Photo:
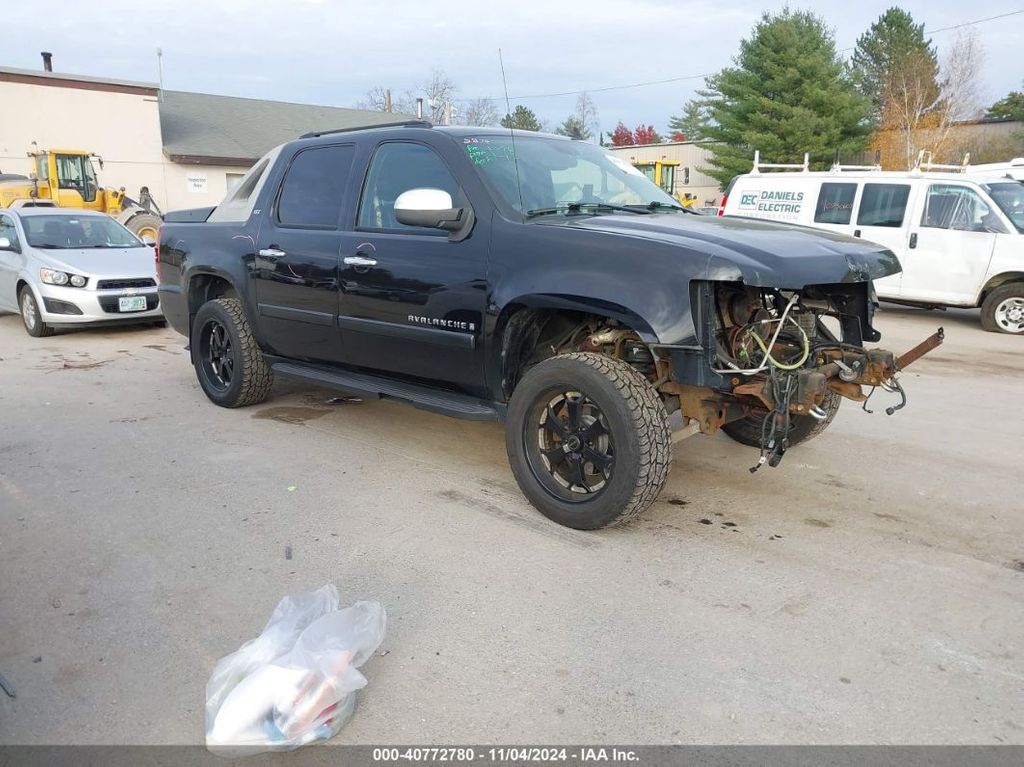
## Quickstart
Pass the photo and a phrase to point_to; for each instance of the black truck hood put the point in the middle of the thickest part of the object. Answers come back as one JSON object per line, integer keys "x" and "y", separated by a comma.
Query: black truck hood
{"x": 766, "y": 253}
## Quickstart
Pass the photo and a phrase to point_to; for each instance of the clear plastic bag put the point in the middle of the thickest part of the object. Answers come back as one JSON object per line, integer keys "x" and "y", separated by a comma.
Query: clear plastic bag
{"x": 296, "y": 682}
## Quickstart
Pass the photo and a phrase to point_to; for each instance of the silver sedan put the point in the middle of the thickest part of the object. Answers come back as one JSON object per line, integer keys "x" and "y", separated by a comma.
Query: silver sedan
{"x": 72, "y": 267}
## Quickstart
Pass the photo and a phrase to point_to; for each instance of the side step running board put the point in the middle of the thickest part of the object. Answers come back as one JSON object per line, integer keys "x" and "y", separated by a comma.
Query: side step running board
{"x": 423, "y": 397}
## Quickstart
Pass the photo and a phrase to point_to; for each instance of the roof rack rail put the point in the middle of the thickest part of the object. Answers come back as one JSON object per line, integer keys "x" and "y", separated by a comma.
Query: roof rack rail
{"x": 399, "y": 124}
{"x": 758, "y": 165}
{"x": 924, "y": 163}
{"x": 839, "y": 167}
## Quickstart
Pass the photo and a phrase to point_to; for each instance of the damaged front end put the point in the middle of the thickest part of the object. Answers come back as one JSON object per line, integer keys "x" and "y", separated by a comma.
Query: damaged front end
{"x": 769, "y": 359}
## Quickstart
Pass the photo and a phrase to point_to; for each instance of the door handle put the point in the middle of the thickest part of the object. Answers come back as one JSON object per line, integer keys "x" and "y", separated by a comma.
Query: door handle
{"x": 913, "y": 239}
{"x": 360, "y": 261}
{"x": 856, "y": 232}
{"x": 272, "y": 253}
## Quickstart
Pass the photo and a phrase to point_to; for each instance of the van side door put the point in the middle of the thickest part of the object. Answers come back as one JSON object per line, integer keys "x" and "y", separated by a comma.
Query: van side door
{"x": 952, "y": 237}
{"x": 882, "y": 218}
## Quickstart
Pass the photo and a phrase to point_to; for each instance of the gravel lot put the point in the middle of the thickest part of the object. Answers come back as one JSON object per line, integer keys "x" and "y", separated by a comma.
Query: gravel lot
{"x": 869, "y": 590}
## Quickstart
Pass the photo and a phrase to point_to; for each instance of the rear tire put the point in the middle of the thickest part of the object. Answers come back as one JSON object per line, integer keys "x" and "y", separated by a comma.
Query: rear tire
{"x": 588, "y": 440}
{"x": 1003, "y": 309}
{"x": 228, "y": 362}
{"x": 30, "y": 316}
{"x": 747, "y": 431}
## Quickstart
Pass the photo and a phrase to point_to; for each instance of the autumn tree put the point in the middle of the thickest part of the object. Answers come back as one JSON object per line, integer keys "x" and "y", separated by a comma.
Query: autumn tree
{"x": 646, "y": 135}
{"x": 788, "y": 93}
{"x": 621, "y": 135}
{"x": 522, "y": 118}
{"x": 921, "y": 105}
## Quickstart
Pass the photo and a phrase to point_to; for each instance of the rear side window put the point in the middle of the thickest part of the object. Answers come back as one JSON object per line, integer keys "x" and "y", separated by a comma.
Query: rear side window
{"x": 835, "y": 203}
{"x": 314, "y": 186}
{"x": 883, "y": 204}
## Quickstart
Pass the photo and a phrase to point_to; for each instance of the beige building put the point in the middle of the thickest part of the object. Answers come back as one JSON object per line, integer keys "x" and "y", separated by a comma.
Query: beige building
{"x": 689, "y": 179}
{"x": 188, "y": 148}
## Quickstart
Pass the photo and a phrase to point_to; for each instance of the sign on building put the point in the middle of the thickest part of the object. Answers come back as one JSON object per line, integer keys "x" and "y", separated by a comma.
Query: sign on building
{"x": 196, "y": 183}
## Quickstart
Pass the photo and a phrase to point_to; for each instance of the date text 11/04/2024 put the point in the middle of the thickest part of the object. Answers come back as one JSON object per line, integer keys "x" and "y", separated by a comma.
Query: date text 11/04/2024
{"x": 505, "y": 754}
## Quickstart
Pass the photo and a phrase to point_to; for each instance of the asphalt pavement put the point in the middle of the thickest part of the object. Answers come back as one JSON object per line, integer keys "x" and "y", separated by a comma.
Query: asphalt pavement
{"x": 869, "y": 590}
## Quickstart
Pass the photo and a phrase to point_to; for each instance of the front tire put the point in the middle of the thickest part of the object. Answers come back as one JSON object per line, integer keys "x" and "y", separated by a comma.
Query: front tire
{"x": 588, "y": 440}
{"x": 145, "y": 225}
{"x": 747, "y": 431}
{"x": 228, "y": 361}
{"x": 1003, "y": 309}
{"x": 30, "y": 315}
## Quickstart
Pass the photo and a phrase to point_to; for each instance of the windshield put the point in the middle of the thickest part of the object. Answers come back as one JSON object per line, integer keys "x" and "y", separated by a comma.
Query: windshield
{"x": 64, "y": 232}
{"x": 556, "y": 173}
{"x": 1009, "y": 197}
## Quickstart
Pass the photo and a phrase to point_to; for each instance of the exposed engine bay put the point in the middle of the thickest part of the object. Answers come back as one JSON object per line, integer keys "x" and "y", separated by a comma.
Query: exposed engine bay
{"x": 777, "y": 358}
{"x": 784, "y": 355}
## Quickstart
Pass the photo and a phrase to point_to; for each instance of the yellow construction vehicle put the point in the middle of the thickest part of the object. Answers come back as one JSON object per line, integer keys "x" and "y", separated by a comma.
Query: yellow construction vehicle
{"x": 661, "y": 172}
{"x": 66, "y": 178}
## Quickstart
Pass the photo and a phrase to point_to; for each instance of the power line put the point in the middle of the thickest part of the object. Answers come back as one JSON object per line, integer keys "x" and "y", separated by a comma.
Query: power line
{"x": 684, "y": 78}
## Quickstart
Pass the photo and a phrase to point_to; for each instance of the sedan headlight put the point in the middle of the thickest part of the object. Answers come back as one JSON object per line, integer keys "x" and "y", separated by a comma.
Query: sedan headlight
{"x": 55, "y": 277}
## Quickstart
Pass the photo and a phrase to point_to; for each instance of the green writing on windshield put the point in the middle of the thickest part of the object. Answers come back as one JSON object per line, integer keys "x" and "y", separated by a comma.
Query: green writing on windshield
{"x": 485, "y": 154}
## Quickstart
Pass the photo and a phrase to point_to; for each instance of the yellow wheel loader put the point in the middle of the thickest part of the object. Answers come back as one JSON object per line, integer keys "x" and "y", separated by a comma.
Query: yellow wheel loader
{"x": 66, "y": 178}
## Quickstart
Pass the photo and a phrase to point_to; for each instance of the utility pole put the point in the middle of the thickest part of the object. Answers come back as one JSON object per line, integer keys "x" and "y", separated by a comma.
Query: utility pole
{"x": 387, "y": 100}
{"x": 160, "y": 71}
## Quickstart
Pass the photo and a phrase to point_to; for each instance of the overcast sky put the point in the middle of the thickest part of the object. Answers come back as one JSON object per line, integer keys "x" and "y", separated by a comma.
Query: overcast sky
{"x": 333, "y": 51}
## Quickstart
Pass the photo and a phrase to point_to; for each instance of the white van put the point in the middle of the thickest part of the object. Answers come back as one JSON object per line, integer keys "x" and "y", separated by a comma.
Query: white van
{"x": 959, "y": 236}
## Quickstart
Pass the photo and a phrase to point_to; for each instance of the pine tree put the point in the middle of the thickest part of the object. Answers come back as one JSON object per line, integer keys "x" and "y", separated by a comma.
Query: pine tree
{"x": 690, "y": 124}
{"x": 522, "y": 118}
{"x": 787, "y": 94}
{"x": 893, "y": 47}
{"x": 573, "y": 128}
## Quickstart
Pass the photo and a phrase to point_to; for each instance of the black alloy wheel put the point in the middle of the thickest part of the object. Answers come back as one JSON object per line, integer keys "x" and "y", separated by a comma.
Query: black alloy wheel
{"x": 216, "y": 352}
{"x": 571, "y": 452}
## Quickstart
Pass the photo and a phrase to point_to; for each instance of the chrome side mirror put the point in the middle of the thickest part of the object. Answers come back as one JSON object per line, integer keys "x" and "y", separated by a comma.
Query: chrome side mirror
{"x": 434, "y": 208}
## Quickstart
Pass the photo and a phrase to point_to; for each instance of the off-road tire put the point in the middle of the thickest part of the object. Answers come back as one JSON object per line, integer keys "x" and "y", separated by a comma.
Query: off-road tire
{"x": 253, "y": 378}
{"x": 992, "y": 301}
{"x": 747, "y": 431}
{"x": 144, "y": 221}
{"x": 40, "y": 329}
{"x": 638, "y": 427}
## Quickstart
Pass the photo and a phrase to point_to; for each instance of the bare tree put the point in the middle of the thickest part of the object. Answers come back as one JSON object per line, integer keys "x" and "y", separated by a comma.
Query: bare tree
{"x": 481, "y": 112}
{"x": 438, "y": 93}
{"x": 916, "y": 115}
{"x": 586, "y": 114}
{"x": 377, "y": 99}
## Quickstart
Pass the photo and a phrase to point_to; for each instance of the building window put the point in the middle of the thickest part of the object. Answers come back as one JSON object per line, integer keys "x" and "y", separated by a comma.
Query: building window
{"x": 232, "y": 180}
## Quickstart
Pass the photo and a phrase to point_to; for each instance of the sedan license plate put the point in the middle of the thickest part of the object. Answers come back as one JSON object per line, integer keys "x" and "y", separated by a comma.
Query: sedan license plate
{"x": 131, "y": 304}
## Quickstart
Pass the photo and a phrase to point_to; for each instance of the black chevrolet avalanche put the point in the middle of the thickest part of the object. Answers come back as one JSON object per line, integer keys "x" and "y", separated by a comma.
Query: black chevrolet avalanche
{"x": 530, "y": 279}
